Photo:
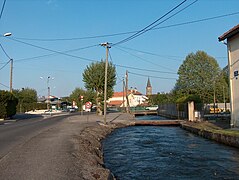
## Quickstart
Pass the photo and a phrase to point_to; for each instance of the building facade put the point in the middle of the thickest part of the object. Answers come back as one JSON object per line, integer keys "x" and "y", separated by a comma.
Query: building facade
{"x": 232, "y": 37}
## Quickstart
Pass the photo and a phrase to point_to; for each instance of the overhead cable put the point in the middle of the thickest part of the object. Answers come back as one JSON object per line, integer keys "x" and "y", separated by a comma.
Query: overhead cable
{"x": 4, "y": 65}
{"x": 142, "y": 31}
{"x": 129, "y": 32}
{"x": 4, "y": 85}
{"x": 55, "y": 53}
{"x": 3, "y": 6}
{"x": 43, "y": 48}
{"x": 4, "y": 51}
{"x": 151, "y": 76}
{"x": 144, "y": 59}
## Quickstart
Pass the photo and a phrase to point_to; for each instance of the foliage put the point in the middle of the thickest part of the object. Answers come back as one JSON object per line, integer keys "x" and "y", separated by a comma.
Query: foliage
{"x": 161, "y": 98}
{"x": 24, "y": 107}
{"x": 200, "y": 75}
{"x": 77, "y": 93}
{"x": 26, "y": 95}
{"x": 94, "y": 79}
{"x": 8, "y": 103}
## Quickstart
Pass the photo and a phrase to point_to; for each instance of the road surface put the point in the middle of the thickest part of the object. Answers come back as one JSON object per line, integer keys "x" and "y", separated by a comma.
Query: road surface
{"x": 40, "y": 148}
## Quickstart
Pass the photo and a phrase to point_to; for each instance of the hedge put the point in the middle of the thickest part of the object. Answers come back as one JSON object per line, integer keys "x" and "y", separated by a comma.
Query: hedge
{"x": 8, "y": 103}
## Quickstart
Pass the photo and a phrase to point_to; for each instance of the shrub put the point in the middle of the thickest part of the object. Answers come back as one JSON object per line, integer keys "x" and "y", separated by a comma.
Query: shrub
{"x": 8, "y": 103}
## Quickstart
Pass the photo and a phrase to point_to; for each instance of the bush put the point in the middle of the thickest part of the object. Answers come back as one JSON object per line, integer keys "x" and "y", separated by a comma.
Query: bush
{"x": 8, "y": 103}
{"x": 24, "y": 107}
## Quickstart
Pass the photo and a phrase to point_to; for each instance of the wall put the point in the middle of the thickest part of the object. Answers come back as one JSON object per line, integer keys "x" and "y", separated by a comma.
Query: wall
{"x": 233, "y": 58}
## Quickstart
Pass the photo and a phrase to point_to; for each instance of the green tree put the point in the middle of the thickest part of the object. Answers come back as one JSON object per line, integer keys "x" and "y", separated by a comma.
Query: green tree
{"x": 27, "y": 98}
{"x": 26, "y": 95}
{"x": 8, "y": 103}
{"x": 200, "y": 75}
{"x": 161, "y": 98}
{"x": 88, "y": 96}
{"x": 94, "y": 79}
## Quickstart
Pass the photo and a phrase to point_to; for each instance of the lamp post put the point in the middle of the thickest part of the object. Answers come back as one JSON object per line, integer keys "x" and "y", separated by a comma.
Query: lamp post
{"x": 48, "y": 91}
{"x": 11, "y": 63}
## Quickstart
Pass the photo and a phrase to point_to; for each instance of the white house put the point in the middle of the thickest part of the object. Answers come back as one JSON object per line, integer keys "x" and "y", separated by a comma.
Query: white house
{"x": 232, "y": 37}
{"x": 135, "y": 98}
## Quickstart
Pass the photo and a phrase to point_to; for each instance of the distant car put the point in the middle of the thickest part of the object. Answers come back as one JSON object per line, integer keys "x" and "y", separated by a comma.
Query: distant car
{"x": 152, "y": 108}
{"x": 72, "y": 110}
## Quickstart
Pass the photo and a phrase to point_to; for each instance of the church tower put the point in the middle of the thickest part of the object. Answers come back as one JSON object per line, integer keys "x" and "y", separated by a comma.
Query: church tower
{"x": 148, "y": 88}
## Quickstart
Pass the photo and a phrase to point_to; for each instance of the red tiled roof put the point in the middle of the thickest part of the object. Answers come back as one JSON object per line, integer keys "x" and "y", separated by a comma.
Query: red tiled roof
{"x": 115, "y": 103}
{"x": 120, "y": 94}
{"x": 230, "y": 33}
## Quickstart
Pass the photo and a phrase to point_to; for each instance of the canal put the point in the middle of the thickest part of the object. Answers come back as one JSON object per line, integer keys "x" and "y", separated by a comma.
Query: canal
{"x": 154, "y": 152}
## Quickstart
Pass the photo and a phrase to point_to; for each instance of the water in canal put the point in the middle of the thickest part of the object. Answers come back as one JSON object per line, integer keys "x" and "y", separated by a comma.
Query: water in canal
{"x": 153, "y": 152}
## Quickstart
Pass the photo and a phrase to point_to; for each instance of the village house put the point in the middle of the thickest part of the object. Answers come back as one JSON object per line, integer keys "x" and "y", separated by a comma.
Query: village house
{"x": 135, "y": 98}
{"x": 232, "y": 37}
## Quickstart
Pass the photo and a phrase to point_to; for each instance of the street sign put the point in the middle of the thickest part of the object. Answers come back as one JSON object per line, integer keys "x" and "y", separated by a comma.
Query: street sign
{"x": 88, "y": 105}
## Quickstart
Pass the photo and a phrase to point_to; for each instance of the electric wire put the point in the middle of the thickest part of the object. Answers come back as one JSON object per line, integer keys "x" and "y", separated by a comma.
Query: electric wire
{"x": 175, "y": 58}
{"x": 142, "y": 31}
{"x": 112, "y": 63}
{"x": 4, "y": 65}
{"x": 3, "y": 6}
{"x": 129, "y": 32}
{"x": 147, "y": 70}
{"x": 144, "y": 59}
{"x": 55, "y": 53}
{"x": 151, "y": 76}
{"x": 86, "y": 59}
{"x": 4, "y": 51}
{"x": 4, "y": 85}
{"x": 47, "y": 49}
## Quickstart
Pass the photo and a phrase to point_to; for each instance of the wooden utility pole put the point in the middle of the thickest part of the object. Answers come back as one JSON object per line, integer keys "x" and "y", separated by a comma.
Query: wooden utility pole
{"x": 126, "y": 92}
{"x": 11, "y": 71}
{"x": 107, "y": 46}
{"x": 123, "y": 95}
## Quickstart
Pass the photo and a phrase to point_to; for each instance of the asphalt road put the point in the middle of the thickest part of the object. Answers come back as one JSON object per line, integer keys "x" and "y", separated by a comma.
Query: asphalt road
{"x": 40, "y": 148}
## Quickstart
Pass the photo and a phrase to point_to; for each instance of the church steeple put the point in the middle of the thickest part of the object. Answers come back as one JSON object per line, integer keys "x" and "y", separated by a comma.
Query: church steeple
{"x": 148, "y": 88}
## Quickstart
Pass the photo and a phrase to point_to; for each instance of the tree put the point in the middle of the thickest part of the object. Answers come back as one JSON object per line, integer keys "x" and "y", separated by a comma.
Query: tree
{"x": 200, "y": 75}
{"x": 26, "y": 95}
{"x": 161, "y": 98}
{"x": 27, "y": 98}
{"x": 94, "y": 79}
{"x": 78, "y": 92}
{"x": 8, "y": 103}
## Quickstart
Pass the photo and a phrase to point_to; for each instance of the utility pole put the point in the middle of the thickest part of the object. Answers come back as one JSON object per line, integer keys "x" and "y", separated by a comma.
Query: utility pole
{"x": 123, "y": 95}
{"x": 48, "y": 94}
{"x": 126, "y": 91}
{"x": 11, "y": 71}
{"x": 107, "y": 46}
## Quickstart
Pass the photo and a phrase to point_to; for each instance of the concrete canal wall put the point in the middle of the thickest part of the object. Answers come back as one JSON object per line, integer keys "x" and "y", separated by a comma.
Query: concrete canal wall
{"x": 223, "y": 138}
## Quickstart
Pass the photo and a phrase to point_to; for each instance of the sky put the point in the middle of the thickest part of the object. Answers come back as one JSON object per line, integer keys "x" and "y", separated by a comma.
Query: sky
{"x": 60, "y": 38}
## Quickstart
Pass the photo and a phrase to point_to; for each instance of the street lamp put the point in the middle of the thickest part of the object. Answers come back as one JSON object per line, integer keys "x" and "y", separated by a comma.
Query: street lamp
{"x": 11, "y": 62}
{"x": 48, "y": 91}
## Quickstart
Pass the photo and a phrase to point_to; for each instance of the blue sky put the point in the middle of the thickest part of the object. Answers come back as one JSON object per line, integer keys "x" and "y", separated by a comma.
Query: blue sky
{"x": 44, "y": 23}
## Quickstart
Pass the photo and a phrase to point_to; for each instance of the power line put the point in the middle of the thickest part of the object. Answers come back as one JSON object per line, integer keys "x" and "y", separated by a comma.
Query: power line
{"x": 4, "y": 2}
{"x": 4, "y": 51}
{"x": 47, "y": 55}
{"x": 142, "y": 31}
{"x": 144, "y": 59}
{"x": 154, "y": 54}
{"x": 129, "y": 32}
{"x": 86, "y": 59}
{"x": 46, "y": 49}
{"x": 4, "y": 85}
{"x": 112, "y": 63}
{"x": 150, "y": 76}
{"x": 5, "y": 65}
{"x": 147, "y": 70}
